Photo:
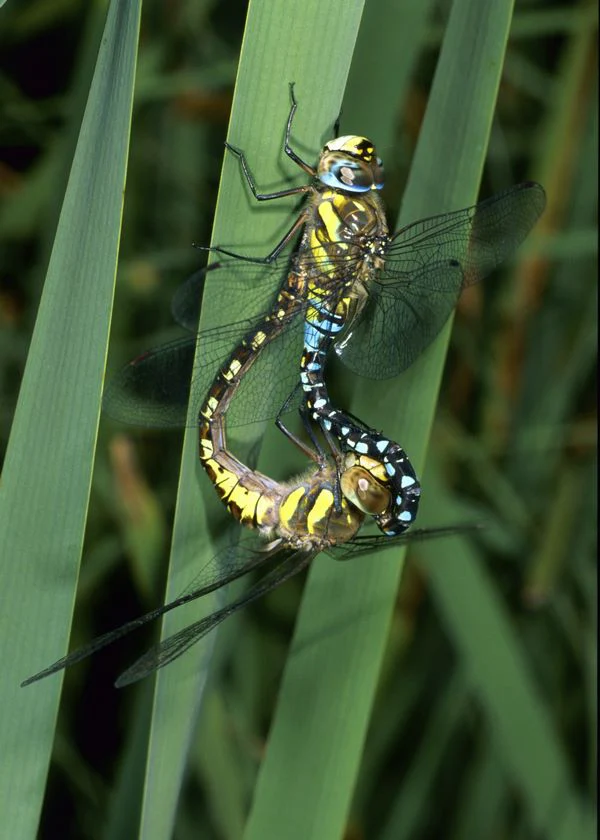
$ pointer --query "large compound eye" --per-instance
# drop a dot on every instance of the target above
(364, 491)
(340, 171)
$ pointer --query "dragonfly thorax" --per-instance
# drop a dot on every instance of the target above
(350, 163)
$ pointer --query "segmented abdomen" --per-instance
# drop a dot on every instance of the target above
(249, 496)
(343, 228)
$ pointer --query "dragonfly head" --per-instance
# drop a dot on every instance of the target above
(350, 163)
(365, 492)
(386, 490)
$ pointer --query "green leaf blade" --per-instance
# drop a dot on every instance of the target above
(46, 477)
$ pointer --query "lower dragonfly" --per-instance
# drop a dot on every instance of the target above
(294, 521)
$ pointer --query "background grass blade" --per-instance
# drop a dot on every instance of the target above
(332, 671)
(277, 49)
(514, 440)
(47, 473)
(497, 675)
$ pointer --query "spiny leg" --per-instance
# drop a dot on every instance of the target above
(316, 453)
(259, 260)
(301, 190)
(332, 443)
(288, 151)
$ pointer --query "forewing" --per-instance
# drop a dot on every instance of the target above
(154, 389)
(394, 329)
(288, 563)
(427, 265)
(227, 565)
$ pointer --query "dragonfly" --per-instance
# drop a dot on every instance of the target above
(375, 299)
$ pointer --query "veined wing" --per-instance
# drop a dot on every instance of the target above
(226, 566)
(368, 543)
(427, 266)
(288, 562)
(156, 388)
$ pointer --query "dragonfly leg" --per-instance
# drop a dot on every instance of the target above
(336, 125)
(315, 453)
(288, 151)
(260, 260)
(337, 457)
(286, 147)
(252, 183)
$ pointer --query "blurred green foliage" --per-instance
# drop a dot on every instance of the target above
(515, 435)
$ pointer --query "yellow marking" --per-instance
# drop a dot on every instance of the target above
(218, 476)
(341, 202)
(246, 501)
(216, 470)
(212, 403)
(259, 338)
(264, 506)
(235, 366)
(290, 506)
(318, 251)
(226, 482)
(375, 468)
(330, 220)
(321, 509)
(206, 449)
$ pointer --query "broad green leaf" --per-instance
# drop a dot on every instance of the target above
(305, 43)
(501, 680)
(332, 670)
(46, 478)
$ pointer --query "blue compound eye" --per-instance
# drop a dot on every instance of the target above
(346, 174)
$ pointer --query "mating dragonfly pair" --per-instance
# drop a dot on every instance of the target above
(377, 300)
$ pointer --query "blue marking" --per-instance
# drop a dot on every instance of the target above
(312, 337)
(345, 430)
(382, 445)
(327, 425)
(390, 469)
(362, 448)
(407, 481)
(405, 516)
(331, 180)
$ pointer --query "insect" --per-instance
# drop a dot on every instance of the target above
(299, 518)
(371, 293)
(378, 299)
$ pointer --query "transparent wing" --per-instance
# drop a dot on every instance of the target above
(288, 563)
(427, 265)
(154, 389)
(368, 543)
(226, 566)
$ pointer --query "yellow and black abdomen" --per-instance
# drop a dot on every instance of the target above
(251, 497)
